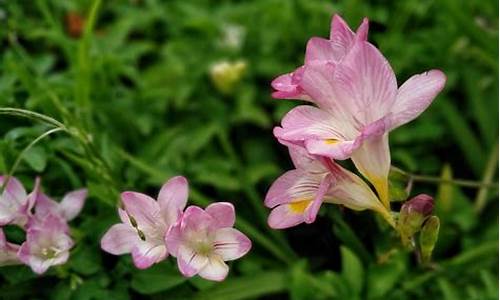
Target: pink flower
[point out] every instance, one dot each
(145, 223)
(8, 251)
(358, 104)
(203, 239)
(297, 195)
(69, 207)
(319, 50)
(47, 243)
(15, 204)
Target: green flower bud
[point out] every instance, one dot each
(428, 238)
(225, 75)
(412, 215)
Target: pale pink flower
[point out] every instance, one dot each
(145, 223)
(69, 207)
(320, 50)
(358, 104)
(202, 240)
(8, 251)
(15, 203)
(47, 243)
(297, 195)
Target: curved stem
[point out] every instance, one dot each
(23, 152)
(433, 179)
(31, 115)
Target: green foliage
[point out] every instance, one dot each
(134, 93)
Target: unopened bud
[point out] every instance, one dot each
(412, 215)
(225, 75)
(428, 238)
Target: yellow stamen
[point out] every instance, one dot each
(299, 206)
(382, 187)
(331, 141)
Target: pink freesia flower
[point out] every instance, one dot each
(203, 239)
(145, 223)
(8, 251)
(358, 104)
(69, 207)
(297, 195)
(47, 243)
(320, 50)
(15, 203)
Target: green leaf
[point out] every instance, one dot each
(158, 278)
(247, 287)
(36, 157)
(352, 270)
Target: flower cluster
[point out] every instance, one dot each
(44, 220)
(201, 239)
(356, 103)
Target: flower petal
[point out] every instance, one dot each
(231, 244)
(189, 262)
(119, 239)
(364, 84)
(215, 269)
(340, 33)
(173, 239)
(145, 254)
(415, 95)
(323, 50)
(8, 251)
(307, 122)
(72, 204)
(197, 220)
(223, 213)
(287, 215)
(173, 197)
(142, 208)
(13, 201)
(293, 186)
(287, 86)
(313, 209)
(373, 160)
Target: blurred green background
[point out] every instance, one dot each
(138, 77)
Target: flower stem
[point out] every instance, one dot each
(437, 180)
(482, 194)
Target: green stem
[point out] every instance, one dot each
(438, 180)
(23, 152)
(491, 165)
(31, 115)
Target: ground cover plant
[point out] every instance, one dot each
(173, 100)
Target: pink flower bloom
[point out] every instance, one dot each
(69, 207)
(358, 104)
(203, 239)
(47, 243)
(15, 204)
(297, 195)
(145, 223)
(8, 251)
(319, 50)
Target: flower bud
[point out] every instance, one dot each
(412, 215)
(225, 75)
(428, 238)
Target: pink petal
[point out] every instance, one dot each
(173, 198)
(341, 150)
(13, 202)
(8, 251)
(197, 220)
(119, 239)
(373, 160)
(223, 213)
(189, 262)
(323, 50)
(283, 217)
(215, 269)
(415, 95)
(340, 32)
(231, 244)
(33, 196)
(287, 86)
(72, 203)
(362, 31)
(173, 239)
(14, 190)
(307, 122)
(364, 84)
(45, 206)
(313, 209)
(293, 185)
(145, 254)
(142, 208)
